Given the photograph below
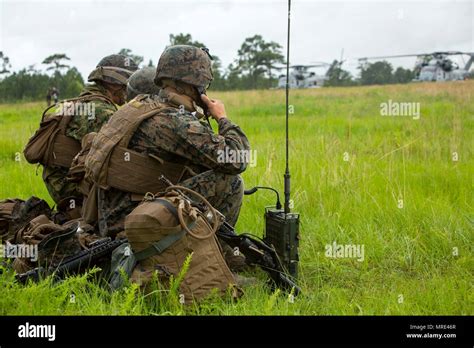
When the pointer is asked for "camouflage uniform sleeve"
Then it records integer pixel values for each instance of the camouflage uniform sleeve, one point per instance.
(92, 117)
(202, 146)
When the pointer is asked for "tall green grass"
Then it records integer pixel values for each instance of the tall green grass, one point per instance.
(418, 259)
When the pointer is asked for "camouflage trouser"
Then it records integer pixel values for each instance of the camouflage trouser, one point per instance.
(223, 191)
(58, 187)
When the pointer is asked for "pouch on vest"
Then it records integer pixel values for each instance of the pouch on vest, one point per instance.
(163, 230)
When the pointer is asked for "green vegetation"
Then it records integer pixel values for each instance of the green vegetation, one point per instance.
(418, 258)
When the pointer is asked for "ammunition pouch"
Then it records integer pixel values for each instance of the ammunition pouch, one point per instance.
(140, 174)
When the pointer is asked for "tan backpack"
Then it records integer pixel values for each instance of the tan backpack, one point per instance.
(50, 146)
(54, 242)
(163, 230)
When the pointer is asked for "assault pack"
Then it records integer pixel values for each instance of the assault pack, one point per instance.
(163, 230)
(15, 213)
(50, 146)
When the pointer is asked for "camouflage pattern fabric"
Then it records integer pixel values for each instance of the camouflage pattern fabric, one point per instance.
(176, 135)
(79, 126)
(115, 69)
(187, 64)
(141, 82)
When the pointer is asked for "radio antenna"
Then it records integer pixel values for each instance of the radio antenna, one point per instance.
(287, 170)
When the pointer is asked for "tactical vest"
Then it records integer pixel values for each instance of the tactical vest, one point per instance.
(50, 146)
(110, 162)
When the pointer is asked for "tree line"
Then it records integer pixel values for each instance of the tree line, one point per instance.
(257, 66)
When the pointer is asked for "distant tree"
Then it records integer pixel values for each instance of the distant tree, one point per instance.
(336, 76)
(32, 69)
(256, 59)
(31, 84)
(233, 80)
(150, 63)
(4, 64)
(378, 73)
(128, 53)
(184, 39)
(56, 62)
(219, 82)
(402, 75)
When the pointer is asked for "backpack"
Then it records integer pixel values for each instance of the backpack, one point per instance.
(163, 230)
(16, 213)
(54, 242)
(50, 146)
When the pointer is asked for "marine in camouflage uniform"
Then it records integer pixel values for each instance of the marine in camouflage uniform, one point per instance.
(108, 81)
(177, 134)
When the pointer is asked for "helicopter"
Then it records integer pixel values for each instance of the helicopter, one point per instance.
(436, 66)
(302, 77)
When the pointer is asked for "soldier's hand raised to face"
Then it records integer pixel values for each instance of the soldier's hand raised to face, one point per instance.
(216, 107)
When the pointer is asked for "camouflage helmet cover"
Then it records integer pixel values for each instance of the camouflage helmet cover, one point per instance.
(141, 82)
(185, 63)
(115, 69)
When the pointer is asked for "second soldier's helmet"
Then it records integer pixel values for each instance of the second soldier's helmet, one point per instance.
(115, 69)
(141, 82)
(185, 63)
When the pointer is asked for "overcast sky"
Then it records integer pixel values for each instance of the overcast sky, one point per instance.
(88, 30)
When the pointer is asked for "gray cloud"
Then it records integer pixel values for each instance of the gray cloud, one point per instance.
(88, 30)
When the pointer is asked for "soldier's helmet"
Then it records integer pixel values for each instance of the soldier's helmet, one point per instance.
(115, 69)
(185, 63)
(141, 82)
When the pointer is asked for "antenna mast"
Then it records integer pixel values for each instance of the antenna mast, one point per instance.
(287, 170)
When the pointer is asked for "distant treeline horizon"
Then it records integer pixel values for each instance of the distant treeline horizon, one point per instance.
(254, 68)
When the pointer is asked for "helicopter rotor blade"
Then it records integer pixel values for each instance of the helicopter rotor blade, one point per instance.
(395, 56)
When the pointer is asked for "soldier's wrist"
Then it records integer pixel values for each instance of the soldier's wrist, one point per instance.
(223, 121)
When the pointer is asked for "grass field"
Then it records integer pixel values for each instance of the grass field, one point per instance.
(400, 187)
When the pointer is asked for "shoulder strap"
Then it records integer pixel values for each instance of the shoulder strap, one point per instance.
(92, 96)
(85, 97)
(137, 121)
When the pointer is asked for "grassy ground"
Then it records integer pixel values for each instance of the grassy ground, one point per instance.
(389, 184)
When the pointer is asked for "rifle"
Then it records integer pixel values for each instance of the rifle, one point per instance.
(75, 263)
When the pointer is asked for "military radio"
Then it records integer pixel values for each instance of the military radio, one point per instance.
(281, 225)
